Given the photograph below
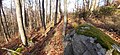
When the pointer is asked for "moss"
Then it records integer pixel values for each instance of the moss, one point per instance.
(92, 31)
(74, 25)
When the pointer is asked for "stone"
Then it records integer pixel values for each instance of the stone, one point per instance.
(86, 53)
(78, 47)
(82, 45)
(99, 46)
(68, 50)
(72, 33)
(92, 40)
(99, 53)
(103, 51)
(67, 37)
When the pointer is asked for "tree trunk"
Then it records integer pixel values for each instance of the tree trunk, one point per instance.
(107, 2)
(12, 21)
(20, 23)
(5, 34)
(30, 14)
(40, 12)
(84, 5)
(88, 4)
(37, 20)
(56, 12)
(43, 15)
(60, 10)
(23, 13)
(65, 17)
(50, 12)
(94, 4)
(46, 12)
(6, 26)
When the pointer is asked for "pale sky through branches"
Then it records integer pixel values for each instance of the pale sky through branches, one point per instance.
(70, 6)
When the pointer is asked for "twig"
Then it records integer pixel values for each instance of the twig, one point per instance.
(11, 51)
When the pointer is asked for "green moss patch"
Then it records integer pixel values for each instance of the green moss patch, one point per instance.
(91, 31)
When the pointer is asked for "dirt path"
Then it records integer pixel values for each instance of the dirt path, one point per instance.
(54, 46)
(49, 43)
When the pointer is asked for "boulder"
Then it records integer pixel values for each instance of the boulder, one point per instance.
(82, 45)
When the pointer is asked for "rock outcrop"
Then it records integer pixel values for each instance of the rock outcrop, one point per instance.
(82, 45)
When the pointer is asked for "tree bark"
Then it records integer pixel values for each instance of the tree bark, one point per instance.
(5, 34)
(56, 12)
(43, 17)
(20, 23)
(30, 14)
(94, 4)
(6, 26)
(50, 12)
(23, 13)
(12, 21)
(60, 10)
(65, 17)
(46, 12)
(40, 12)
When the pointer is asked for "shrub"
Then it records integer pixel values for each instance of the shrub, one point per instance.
(104, 11)
(107, 10)
(84, 14)
(96, 14)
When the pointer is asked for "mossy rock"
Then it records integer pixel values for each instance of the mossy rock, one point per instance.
(92, 31)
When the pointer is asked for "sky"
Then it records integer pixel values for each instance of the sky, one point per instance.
(70, 7)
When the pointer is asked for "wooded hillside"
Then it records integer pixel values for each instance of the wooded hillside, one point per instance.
(54, 27)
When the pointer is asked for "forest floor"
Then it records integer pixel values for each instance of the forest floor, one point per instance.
(48, 42)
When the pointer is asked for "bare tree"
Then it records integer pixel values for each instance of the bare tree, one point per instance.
(60, 10)
(50, 16)
(40, 12)
(6, 26)
(46, 12)
(20, 23)
(94, 4)
(65, 17)
(56, 12)
(36, 13)
(107, 2)
(4, 32)
(30, 14)
(12, 20)
(43, 17)
(23, 13)
(86, 4)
